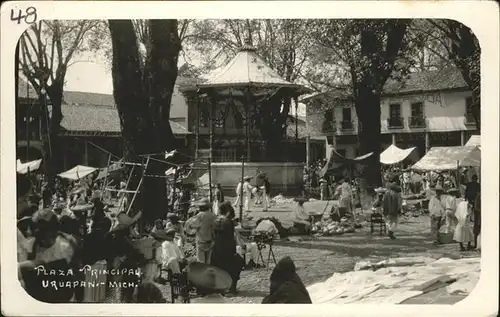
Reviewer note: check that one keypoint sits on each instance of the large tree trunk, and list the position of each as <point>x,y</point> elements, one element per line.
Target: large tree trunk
<point>143,99</point>
<point>161,69</point>
<point>52,141</point>
<point>367,105</point>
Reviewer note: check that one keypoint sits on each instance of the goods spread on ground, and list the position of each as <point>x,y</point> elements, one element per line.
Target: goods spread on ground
<point>396,280</point>
<point>329,227</point>
<point>281,200</point>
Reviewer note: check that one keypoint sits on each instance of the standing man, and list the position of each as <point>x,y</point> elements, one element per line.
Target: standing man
<point>203,223</point>
<point>247,193</point>
<point>267,194</point>
<point>436,211</point>
<point>238,195</point>
<point>472,189</point>
<point>391,205</point>
<point>476,209</point>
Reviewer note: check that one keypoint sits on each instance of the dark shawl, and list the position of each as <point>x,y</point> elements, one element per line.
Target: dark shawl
<point>286,285</point>
<point>224,252</point>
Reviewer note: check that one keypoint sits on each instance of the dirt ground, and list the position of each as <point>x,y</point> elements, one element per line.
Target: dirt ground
<point>317,259</point>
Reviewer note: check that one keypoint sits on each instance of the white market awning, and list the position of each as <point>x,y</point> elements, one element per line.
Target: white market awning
<point>474,140</point>
<point>78,172</point>
<point>23,168</point>
<point>449,158</point>
<point>394,155</point>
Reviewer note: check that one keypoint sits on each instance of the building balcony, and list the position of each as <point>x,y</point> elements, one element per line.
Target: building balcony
<point>395,123</point>
<point>347,126</point>
<point>417,122</point>
<point>470,121</point>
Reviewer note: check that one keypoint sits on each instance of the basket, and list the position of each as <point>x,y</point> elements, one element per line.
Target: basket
<point>446,238</point>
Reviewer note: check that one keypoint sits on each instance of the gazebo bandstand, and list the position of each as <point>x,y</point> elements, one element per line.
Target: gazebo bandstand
<point>249,81</point>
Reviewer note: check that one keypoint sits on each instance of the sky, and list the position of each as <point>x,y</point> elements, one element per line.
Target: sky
<point>91,74</point>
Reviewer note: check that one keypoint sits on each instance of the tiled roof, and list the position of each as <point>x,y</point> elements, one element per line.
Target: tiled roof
<point>445,79</point>
<point>98,119</point>
<point>437,80</point>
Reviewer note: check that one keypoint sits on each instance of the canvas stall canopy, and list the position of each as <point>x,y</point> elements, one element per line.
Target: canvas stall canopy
<point>474,140</point>
<point>336,161</point>
<point>393,155</point>
<point>449,158</point>
<point>24,168</point>
<point>78,172</point>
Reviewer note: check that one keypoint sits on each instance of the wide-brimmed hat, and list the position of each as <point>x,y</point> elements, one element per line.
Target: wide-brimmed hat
<point>301,199</point>
<point>163,234</point>
<point>124,221</point>
<point>380,190</point>
<point>438,188</point>
<point>452,191</point>
<point>322,180</point>
<point>172,216</point>
<point>395,187</point>
<point>203,203</point>
<point>81,205</point>
<point>247,177</point>
<point>208,277</point>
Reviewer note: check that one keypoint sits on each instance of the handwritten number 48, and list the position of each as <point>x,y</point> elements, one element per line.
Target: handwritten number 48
<point>29,18</point>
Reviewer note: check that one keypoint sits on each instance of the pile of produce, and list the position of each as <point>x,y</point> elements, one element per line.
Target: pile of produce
<point>329,227</point>
<point>281,200</point>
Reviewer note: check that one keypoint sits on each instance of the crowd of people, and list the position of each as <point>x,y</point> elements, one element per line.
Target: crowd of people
<point>450,210</point>
<point>76,246</point>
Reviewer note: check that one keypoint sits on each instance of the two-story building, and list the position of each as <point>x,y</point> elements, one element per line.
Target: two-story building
<point>90,127</point>
<point>431,108</point>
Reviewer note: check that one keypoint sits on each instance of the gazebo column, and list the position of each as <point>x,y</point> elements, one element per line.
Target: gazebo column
<point>248,126</point>
<point>427,142</point>
<point>462,138</point>
<point>296,101</point>
<point>85,153</point>
<point>308,150</point>
<point>197,140</point>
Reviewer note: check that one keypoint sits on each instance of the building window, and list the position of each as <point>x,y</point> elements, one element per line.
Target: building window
<point>395,121</point>
<point>469,105</point>
<point>395,110</point>
<point>347,119</point>
<point>328,123</point>
<point>417,119</point>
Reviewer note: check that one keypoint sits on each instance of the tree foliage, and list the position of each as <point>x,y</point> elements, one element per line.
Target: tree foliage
<point>47,50</point>
<point>370,52</point>
<point>463,50</point>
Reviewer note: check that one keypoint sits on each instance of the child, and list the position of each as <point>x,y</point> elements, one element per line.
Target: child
<point>463,233</point>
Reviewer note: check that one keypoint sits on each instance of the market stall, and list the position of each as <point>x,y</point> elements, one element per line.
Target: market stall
<point>24,168</point>
<point>446,158</point>
<point>337,161</point>
<point>78,172</point>
<point>394,155</point>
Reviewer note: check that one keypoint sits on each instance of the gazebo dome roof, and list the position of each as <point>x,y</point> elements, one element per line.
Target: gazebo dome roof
<point>247,68</point>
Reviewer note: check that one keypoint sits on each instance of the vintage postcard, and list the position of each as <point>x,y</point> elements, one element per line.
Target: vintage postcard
<point>333,155</point>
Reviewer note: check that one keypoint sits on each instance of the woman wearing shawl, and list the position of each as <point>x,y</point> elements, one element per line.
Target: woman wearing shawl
<point>391,206</point>
<point>344,192</point>
<point>286,285</point>
<point>463,233</point>
<point>449,202</point>
<point>224,254</point>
